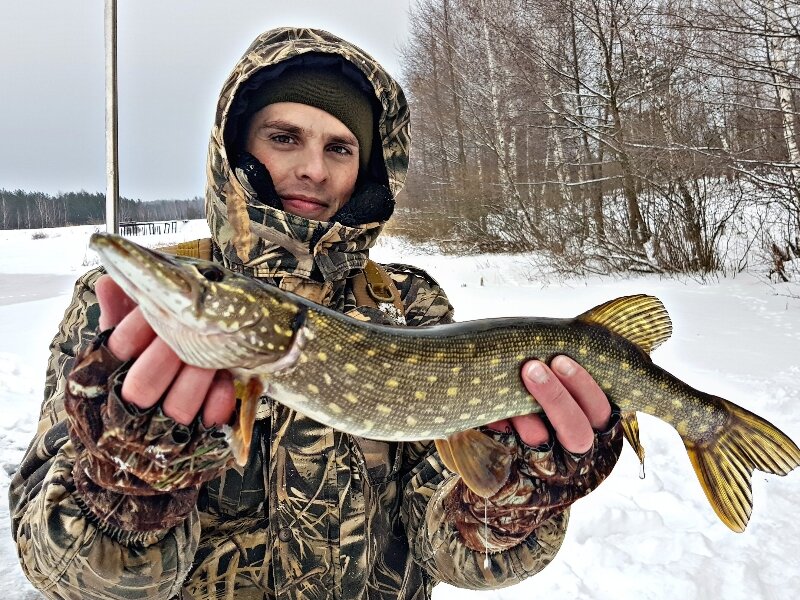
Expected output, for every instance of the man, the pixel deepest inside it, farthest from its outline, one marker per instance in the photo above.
(308, 150)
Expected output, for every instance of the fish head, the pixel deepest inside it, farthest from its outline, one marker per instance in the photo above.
(210, 316)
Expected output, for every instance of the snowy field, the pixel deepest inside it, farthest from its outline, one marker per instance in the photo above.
(632, 539)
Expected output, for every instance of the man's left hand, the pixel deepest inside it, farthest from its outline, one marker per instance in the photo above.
(548, 477)
(573, 402)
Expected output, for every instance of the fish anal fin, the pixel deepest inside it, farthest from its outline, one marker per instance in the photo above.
(630, 429)
(725, 463)
(248, 394)
(641, 319)
(483, 463)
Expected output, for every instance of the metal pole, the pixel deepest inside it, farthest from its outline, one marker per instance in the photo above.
(112, 153)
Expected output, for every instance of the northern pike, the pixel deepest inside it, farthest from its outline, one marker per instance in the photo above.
(439, 382)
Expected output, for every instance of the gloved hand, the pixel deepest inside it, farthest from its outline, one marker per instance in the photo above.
(137, 470)
(544, 480)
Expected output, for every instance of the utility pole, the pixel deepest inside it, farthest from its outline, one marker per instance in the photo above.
(112, 142)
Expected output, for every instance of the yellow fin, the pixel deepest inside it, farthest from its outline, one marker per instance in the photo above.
(248, 394)
(443, 448)
(726, 463)
(630, 429)
(483, 463)
(641, 319)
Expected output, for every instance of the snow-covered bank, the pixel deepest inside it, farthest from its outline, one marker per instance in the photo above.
(655, 538)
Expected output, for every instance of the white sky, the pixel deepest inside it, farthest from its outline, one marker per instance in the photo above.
(173, 59)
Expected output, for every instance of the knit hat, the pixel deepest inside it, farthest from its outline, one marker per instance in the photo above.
(324, 89)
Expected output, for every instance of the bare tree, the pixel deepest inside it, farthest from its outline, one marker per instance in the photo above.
(619, 134)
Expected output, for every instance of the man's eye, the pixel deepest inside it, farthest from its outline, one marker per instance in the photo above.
(282, 138)
(344, 150)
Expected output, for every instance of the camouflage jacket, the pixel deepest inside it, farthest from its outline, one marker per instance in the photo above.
(316, 513)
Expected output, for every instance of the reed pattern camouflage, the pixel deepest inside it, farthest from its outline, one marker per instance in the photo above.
(316, 513)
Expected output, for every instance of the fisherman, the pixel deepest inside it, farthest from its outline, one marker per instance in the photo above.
(307, 154)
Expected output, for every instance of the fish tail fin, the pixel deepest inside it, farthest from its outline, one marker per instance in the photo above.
(725, 463)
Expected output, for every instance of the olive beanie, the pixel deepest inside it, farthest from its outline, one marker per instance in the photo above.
(324, 89)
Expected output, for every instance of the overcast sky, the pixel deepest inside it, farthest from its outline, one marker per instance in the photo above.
(173, 58)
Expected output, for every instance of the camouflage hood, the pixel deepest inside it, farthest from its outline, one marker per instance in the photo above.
(268, 242)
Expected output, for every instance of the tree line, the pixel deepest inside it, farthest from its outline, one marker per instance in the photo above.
(614, 134)
(20, 209)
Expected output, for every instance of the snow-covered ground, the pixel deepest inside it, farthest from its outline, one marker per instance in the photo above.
(655, 538)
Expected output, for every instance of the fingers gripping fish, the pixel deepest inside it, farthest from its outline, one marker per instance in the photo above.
(439, 382)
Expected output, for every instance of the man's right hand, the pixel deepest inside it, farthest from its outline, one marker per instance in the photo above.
(157, 371)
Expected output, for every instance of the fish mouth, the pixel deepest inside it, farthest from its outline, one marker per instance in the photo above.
(149, 278)
(172, 301)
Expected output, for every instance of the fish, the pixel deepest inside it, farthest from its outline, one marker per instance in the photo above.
(438, 382)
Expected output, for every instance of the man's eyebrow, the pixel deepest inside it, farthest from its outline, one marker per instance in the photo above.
(289, 127)
(344, 139)
(286, 126)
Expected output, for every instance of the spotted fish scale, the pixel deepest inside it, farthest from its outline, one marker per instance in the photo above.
(402, 384)
(440, 382)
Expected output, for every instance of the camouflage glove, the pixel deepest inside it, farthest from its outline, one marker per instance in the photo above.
(137, 470)
(544, 481)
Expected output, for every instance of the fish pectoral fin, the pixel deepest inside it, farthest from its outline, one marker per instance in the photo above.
(483, 463)
(248, 394)
(640, 319)
(726, 463)
(630, 429)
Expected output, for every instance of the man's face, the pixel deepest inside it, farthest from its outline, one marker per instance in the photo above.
(311, 155)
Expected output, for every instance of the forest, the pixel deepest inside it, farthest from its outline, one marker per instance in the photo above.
(613, 135)
(32, 210)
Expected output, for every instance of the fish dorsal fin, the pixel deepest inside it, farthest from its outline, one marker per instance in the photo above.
(640, 319)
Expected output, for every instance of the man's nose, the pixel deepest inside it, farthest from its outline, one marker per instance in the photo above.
(312, 165)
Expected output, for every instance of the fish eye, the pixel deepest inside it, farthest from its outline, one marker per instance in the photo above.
(211, 273)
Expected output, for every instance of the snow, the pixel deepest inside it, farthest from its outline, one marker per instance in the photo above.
(642, 539)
